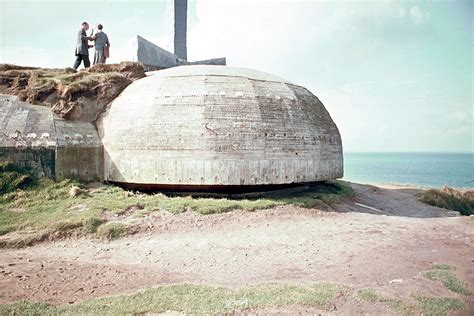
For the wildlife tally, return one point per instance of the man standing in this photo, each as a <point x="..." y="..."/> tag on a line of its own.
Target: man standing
<point x="82" y="47"/>
<point x="101" y="43"/>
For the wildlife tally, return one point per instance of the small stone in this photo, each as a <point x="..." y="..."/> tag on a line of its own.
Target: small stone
<point x="75" y="191"/>
<point x="396" y="281"/>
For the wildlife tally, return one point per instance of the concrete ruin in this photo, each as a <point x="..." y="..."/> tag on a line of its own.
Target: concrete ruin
<point x="203" y="127"/>
<point x="48" y="145"/>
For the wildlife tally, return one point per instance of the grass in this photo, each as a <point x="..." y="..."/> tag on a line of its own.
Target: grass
<point x="451" y="199"/>
<point x="424" y="305"/>
<point x="370" y="295"/>
<point x="12" y="178"/>
<point x="41" y="209"/>
<point x="438" y="306"/>
<point x="72" y="82"/>
<point x="443" y="266"/>
<point x="112" y="231"/>
<point x="444" y="273"/>
<point x="197" y="299"/>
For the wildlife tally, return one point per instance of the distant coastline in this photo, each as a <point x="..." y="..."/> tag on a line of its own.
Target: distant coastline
<point x="423" y="170"/>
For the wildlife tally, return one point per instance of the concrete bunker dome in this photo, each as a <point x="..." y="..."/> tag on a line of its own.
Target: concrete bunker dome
<point x="218" y="126"/>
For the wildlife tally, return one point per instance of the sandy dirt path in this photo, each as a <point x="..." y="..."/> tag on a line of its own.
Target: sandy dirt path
<point x="353" y="245"/>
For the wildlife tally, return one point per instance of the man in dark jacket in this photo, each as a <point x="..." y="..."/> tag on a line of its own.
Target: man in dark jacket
<point x="82" y="47"/>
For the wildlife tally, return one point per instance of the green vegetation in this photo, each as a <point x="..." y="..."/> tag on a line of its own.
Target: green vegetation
<point x="28" y="308"/>
<point x="40" y="209"/>
<point x="443" y="266"/>
<point x="201" y="299"/>
<point x="112" y="231"/>
<point x="451" y="199"/>
<point x="438" y="306"/>
<point x="72" y="81"/>
<point x="190" y="299"/>
<point x="444" y="273"/>
<point x="12" y="178"/>
<point x="400" y="306"/>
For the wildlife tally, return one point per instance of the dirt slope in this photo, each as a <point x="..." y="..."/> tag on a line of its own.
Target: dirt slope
<point x="285" y="244"/>
<point x="76" y="95"/>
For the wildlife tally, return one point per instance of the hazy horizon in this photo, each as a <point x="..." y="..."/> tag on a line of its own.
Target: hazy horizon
<point x="396" y="76"/>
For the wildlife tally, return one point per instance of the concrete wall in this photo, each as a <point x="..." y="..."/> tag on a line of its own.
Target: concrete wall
<point x="39" y="161"/>
<point x="79" y="153"/>
<point x="225" y="127"/>
<point x="33" y="138"/>
<point x="27" y="136"/>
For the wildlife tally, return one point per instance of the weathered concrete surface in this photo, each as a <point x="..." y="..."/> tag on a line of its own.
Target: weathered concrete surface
<point x="177" y="15"/>
<point x="27" y="136"/>
<point x="214" y="125"/>
<point x="34" y="138"/>
<point x="154" y="57"/>
<point x="79" y="153"/>
<point x="221" y="61"/>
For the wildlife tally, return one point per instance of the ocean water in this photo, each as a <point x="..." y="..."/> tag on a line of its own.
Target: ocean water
<point x="420" y="169"/>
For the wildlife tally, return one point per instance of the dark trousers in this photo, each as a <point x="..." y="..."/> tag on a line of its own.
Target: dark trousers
<point x="80" y="58"/>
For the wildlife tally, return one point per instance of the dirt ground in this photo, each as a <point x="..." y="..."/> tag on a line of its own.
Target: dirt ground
<point x="383" y="239"/>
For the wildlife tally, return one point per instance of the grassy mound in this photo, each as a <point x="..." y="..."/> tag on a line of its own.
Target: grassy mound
<point x="77" y="95"/>
<point x="49" y="210"/>
<point x="451" y="199"/>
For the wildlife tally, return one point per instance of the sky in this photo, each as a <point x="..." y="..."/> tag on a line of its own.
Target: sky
<point x="396" y="76"/>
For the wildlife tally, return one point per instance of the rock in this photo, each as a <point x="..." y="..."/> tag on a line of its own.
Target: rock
<point x="396" y="281"/>
<point x="20" y="194"/>
<point x="75" y="191"/>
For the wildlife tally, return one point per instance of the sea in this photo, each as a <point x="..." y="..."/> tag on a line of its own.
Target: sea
<point x="417" y="169"/>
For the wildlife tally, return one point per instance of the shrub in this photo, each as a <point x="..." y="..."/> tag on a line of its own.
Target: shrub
<point x="13" y="177"/>
<point x="112" y="231"/>
<point x="451" y="199"/>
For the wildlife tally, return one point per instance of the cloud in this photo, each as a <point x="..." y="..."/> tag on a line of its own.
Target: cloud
<point x="417" y="15"/>
<point x="401" y="12"/>
<point x="123" y="50"/>
<point x="30" y="56"/>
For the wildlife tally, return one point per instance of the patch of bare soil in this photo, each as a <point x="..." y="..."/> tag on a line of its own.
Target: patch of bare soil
<point x="387" y="249"/>
<point x="75" y="95"/>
